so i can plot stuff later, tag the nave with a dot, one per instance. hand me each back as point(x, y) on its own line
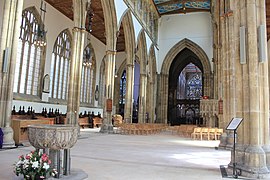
point(117, 157)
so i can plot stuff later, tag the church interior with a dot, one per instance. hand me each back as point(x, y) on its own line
point(175, 88)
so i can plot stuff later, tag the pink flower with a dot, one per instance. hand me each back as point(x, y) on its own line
point(27, 157)
point(49, 161)
point(44, 157)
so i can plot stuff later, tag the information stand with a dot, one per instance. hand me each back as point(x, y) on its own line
point(232, 126)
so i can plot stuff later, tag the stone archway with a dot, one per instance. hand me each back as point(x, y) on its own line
point(129, 34)
point(164, 75)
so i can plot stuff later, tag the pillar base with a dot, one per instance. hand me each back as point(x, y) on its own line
point(239, 155)
point(223, 141)
point(254, 163)
point(106, 128)
point(8, 141)
point(266, 149)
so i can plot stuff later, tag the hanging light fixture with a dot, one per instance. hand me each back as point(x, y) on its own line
point(90, 16)
point(40, 36)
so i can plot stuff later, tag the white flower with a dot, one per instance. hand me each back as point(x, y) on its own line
point(46, 166)
point(35, 164)
point(19, 163)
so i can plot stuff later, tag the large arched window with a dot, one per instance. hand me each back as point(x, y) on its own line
point(88, 75)
point(60, 66)
point(28, 70)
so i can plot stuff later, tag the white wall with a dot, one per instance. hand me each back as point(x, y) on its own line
point(193, 26)
point(55, 23)
point(1, 15)
point(119, 59)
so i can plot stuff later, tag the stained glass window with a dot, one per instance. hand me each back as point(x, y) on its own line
point(189, 84)
point(194, 87)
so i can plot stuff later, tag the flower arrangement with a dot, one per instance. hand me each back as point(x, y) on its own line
point(35, 165)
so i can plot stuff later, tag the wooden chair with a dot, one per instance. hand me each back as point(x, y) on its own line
point(204, 132)
point(212, 134)
point(196, 132)
point(219, 132)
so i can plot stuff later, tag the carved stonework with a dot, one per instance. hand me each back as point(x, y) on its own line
point(54, 137)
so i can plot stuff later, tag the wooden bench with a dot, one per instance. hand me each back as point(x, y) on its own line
point(83, 122)
point(97, 121)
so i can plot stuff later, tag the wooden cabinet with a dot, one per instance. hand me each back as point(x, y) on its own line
point(19, 127)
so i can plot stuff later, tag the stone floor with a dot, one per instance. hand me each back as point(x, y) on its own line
point(133, 157)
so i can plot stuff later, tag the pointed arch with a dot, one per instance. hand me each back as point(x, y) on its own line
point(110, 19)
point(129, 34)
point(164, 75)
point(185, 43)
point(142, 51)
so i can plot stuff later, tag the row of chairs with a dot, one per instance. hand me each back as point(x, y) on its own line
point(140, 129)
point(182, 130)
point(206, 133)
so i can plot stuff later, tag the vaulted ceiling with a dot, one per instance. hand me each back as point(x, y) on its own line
point(164, 7)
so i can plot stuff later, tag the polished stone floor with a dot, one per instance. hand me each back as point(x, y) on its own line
point(133, 157)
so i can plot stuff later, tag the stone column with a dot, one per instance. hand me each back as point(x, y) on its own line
point(129, 93)
point(107, 126)
point(162, 96)
point(142, 103)
point(74, 89)
point(255, 158)
point(9, 42)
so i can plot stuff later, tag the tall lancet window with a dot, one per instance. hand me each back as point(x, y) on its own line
point(60, 66)
point(88, 75)
point(28, 72)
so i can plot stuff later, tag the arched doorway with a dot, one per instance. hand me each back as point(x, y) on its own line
point(198, 53)
point(185, 89)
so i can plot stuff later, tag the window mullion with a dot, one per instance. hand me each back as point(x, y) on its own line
point(27, 69)
point(21, 64)
point(58, 77)
point(63, 76)
point(53, 78)
point(34, 69)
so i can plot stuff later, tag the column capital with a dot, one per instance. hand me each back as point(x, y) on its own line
point(78, 29)
point(111, 52)
point(130, 65)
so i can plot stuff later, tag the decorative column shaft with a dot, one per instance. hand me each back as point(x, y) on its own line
point(142, 103)
point(129, 93)
point(9, 42)
point(255, 158)
point(107, 126)
point(74, 89)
